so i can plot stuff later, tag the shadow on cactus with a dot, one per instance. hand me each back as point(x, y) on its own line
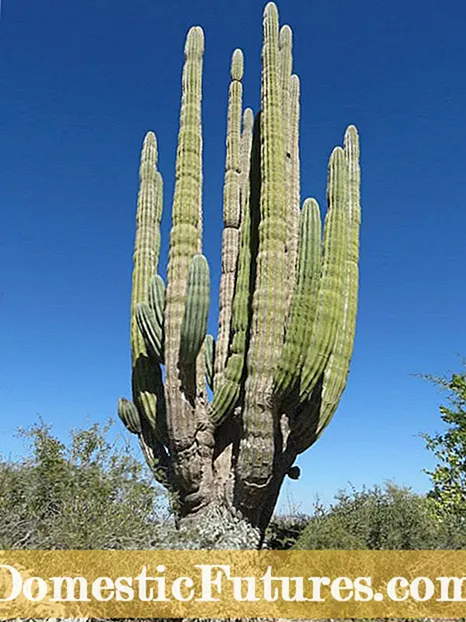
point(287, 308)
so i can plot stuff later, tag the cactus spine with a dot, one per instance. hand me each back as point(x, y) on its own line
point(288, 298)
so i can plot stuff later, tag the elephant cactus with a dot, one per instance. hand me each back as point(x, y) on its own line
point(287, 308)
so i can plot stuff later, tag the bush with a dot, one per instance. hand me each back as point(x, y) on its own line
point(91, 494)
point(449, 447)
point(388, 517)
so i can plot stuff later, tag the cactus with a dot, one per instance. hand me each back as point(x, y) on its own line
point(287, 307)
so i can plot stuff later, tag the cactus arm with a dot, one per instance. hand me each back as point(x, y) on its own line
point(147, 242)
point(290, 121)
point(286, 67)
point(129, 415)
point(293, 188)
point(227, 392)
point(337, 369)
point(158, 460)
point(303, 304)
point(247, 178)
point(146, 378)
point(150, 330)
point(231, 212)
point(194, 327)
point(149, 395)
point(184, 238)
point(329, 304)
point(255, 459)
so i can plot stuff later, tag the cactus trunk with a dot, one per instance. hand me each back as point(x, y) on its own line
point(287, 309)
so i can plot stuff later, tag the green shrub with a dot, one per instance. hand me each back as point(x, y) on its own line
point(388, 517)
point(448, 493)
point(90, 494)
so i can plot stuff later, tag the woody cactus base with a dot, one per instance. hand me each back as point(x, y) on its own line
point(287, 309)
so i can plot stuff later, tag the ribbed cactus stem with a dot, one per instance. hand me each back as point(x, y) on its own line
point(149, 396)
point(286, 67)
point(150, 329)
point(336, 372)
point(157, 298)
point(194, 327)
point(227, 391)
point(303, 304)
point(147, 242)
point(145, 376)
point(330, 294)
point(185, 239)
point(270, 298)
point(292, 164)
point(128, 413)
point(231, 212)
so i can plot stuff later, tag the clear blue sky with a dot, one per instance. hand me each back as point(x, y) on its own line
point(81, 82)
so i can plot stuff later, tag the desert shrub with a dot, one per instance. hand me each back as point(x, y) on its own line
point(387, 517)
point(90, 493)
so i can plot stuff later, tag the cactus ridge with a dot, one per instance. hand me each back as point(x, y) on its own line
point(209, 360)
point(194, 327)
point(287, 298)
point(157, 298)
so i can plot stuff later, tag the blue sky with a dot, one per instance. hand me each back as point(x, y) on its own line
point(81, 82)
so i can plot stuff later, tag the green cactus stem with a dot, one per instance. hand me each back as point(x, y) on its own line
point(255, 460)
point(304, 301)
point(128, 413)
point(157, 298)
point(330, 296)
point(194, 327)
point(150, 330)
point(227, 392)
point(231, 212)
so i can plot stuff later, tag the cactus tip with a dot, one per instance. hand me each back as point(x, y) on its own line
point(150, 137)
point(237, 65)
point(286, 36)
point(270, 9)
point(149, 147)
point(337, 153)
point(310, 204)
point(295, 83)
point(248, 118)
point(194, 42)
point(351, 134)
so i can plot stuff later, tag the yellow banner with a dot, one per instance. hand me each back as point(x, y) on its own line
point(232, 584)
